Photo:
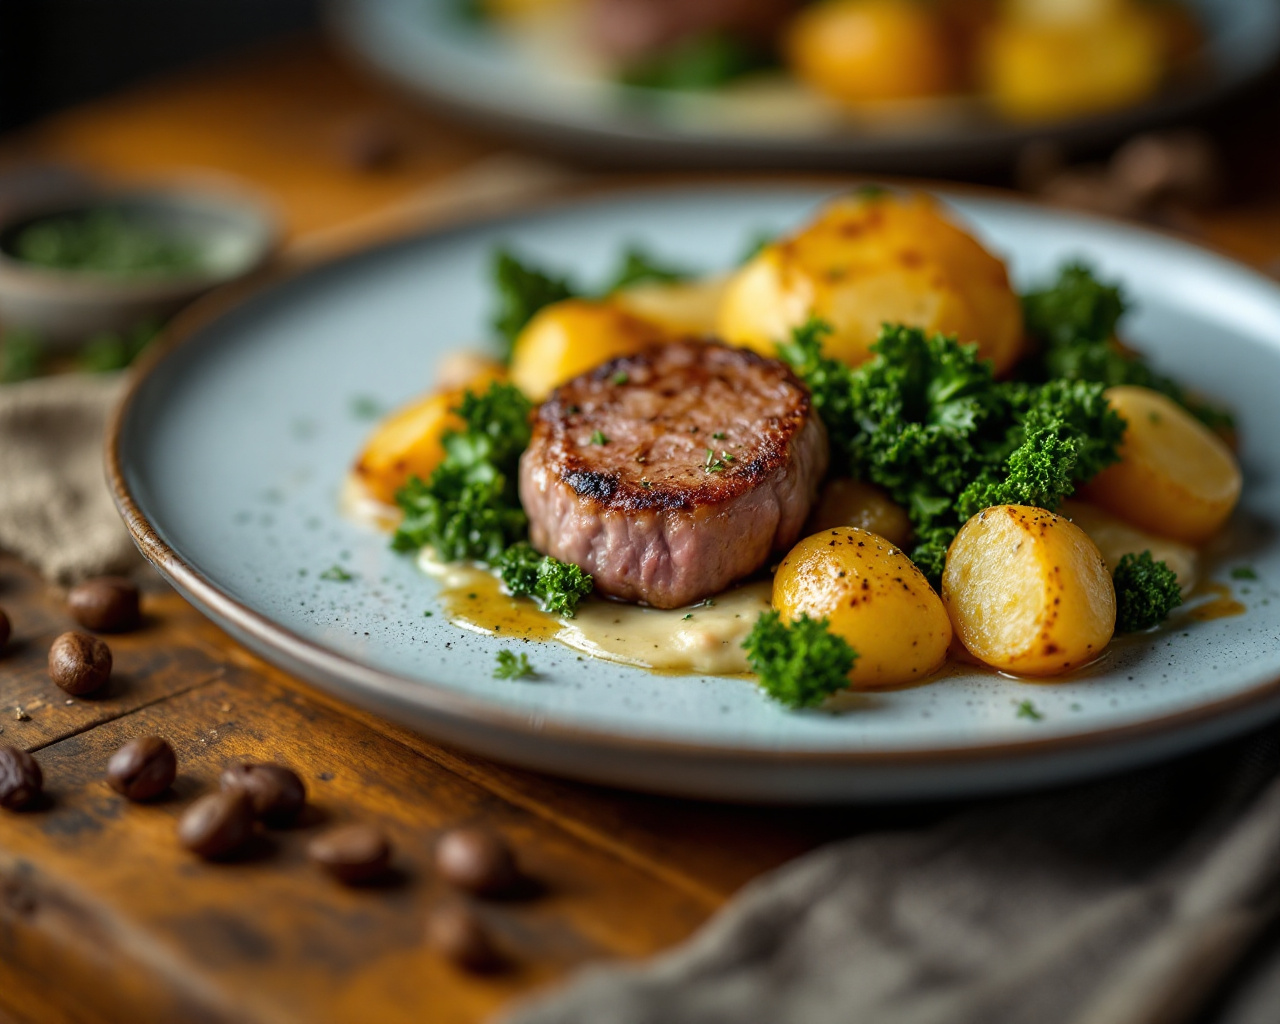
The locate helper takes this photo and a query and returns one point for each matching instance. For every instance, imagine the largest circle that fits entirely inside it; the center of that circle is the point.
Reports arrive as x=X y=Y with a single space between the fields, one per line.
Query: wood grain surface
x=102 y=917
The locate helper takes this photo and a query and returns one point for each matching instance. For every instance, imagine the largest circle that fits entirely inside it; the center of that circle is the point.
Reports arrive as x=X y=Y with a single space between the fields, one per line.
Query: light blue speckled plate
x=227 y=457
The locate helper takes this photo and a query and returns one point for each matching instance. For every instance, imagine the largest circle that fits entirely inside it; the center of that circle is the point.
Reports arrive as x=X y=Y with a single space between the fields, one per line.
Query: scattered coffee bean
x=1180 y=166
x=477 y=860
x=352 y=853
x=108 y=604
x=143 y=768
x=455 y=932
x=79 y=663
x=369 y=144
x=5 y=629
x=20 y=779
x=277 y=793
x=217 y=825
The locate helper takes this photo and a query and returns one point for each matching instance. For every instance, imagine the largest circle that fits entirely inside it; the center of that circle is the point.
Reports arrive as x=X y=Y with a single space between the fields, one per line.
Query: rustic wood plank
x=102 y=906
x=35 y=713
x=281 y=118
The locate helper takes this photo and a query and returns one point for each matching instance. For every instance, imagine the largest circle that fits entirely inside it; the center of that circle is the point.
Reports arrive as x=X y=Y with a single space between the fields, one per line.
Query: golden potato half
x=846 y=502
x=1028 y=592
x=1175 y=478
x=863 y=51
x=1041 y=70
x=407 y=443
x=684 y=307
x=868 y=260
x=873 y=596
x=570 y=337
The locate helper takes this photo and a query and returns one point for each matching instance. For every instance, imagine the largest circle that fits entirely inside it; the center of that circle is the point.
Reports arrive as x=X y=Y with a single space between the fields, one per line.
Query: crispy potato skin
x=1041 y=70
x=407 y=443
x=1028 y=592
x=874 y=597
x=863 y=51
x=846 y=502
x=866 y=261
x=1176 y=478
x=570 y=337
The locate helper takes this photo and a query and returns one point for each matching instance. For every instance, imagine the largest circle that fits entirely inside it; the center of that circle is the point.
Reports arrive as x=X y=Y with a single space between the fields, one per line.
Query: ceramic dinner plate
x=427 y=47
x=228 y=455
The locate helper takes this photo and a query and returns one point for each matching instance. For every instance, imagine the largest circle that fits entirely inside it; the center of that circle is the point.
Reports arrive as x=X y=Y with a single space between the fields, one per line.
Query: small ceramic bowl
x=230 y=232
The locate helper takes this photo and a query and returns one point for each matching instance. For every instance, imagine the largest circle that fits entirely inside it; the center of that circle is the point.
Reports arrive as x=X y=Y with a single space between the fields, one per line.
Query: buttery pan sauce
x=705 y=638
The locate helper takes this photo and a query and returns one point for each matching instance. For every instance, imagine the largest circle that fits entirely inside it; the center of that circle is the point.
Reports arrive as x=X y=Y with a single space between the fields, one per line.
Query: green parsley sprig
x=469 y=509
x=1146 y=592
x=513 y=666
x=800 y=664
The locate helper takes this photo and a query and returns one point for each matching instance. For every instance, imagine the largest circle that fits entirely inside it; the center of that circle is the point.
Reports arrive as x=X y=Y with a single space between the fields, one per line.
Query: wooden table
x=102 y=917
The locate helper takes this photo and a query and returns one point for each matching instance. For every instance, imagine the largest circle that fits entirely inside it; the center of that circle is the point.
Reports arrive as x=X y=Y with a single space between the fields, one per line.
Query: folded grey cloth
x=1118 y=902
x=55 y=511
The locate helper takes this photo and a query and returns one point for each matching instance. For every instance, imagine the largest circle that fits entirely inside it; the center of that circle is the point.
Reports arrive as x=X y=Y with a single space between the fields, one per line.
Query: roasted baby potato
x=873 y=596
x=861 y=51
x=408 y=442
x=1028 y=592
x=1175 y=478
x=569 y=337
x=871 y=259
x=1037 y=70
x=1116 y=538
x=846 y=502
x=683 y=307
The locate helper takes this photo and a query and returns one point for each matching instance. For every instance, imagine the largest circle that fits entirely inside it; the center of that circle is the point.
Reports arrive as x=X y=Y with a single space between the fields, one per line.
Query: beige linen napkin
x=55 y=511
x=1120 y=902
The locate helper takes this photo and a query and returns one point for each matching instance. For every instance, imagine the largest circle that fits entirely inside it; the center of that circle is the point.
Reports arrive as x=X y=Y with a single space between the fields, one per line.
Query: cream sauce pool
x=704 y=638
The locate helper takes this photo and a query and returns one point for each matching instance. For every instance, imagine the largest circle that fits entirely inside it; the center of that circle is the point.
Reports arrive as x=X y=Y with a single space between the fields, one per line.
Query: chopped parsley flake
x=718 y=435
x=712 y=464
x=1244 y=572
x=597 y=437
x=512 y=666
x=1028 y=710
x=366 y=407
x=337 y=574
x=621 y=377
x=558 y=586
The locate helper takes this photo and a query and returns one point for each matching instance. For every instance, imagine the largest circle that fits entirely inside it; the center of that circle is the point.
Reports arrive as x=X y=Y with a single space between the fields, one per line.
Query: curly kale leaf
x=469 y=508
x=926 y=419
x=1146 y=592
x=800 y=664
x=1074 y=320
x=522 y=291
x=699 y=62
x=559 y=586
x=639 y=267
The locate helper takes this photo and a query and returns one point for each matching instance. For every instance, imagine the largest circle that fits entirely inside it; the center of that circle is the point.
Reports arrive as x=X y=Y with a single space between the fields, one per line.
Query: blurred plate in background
x=472 y=70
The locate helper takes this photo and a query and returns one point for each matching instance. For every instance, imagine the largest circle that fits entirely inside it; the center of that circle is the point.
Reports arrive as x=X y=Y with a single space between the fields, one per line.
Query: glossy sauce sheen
x=1221 y=605
x=705 y=638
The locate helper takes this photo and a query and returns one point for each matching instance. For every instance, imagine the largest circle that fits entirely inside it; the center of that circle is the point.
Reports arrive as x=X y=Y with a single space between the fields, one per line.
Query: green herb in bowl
x=106 y=241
